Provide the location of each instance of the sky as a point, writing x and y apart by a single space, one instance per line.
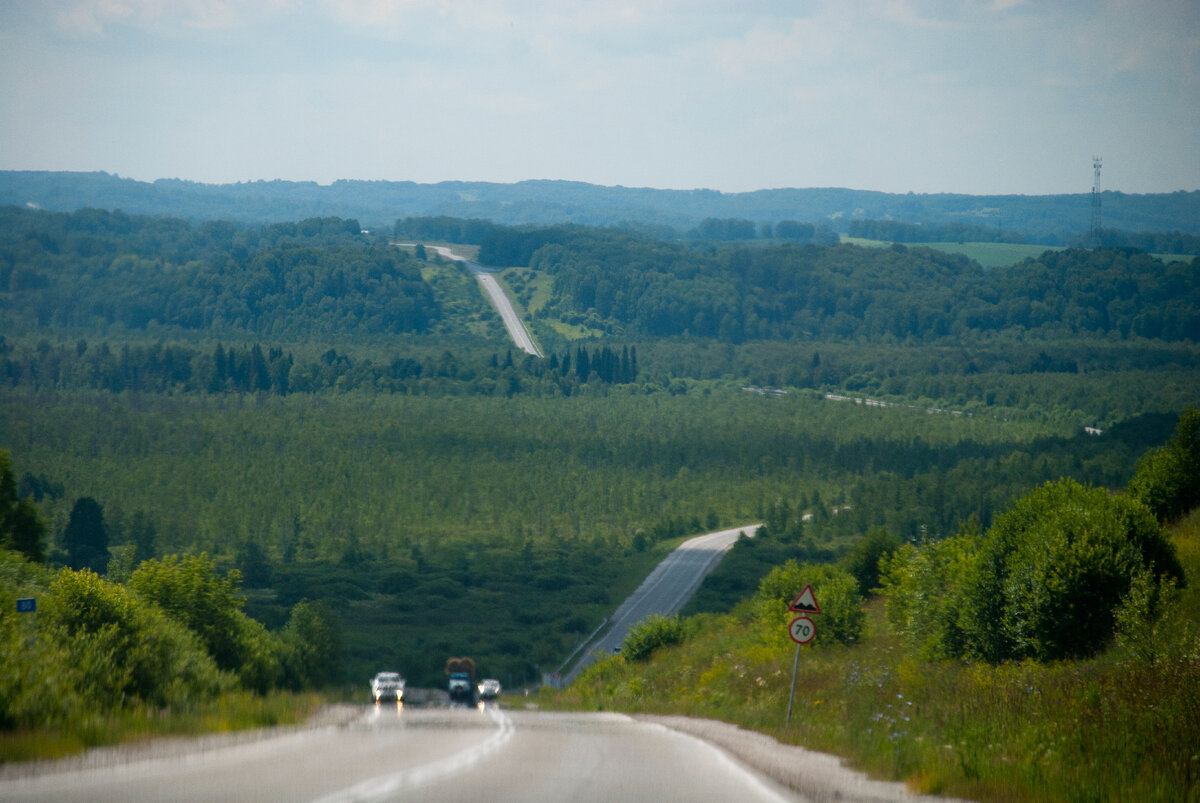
978 97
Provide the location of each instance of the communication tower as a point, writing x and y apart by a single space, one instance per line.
1096 223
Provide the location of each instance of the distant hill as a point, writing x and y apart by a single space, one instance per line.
1050 219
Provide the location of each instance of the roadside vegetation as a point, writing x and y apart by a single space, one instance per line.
977 667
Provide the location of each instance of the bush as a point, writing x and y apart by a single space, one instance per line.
651 633
193 594
1043 583
119 648
842 617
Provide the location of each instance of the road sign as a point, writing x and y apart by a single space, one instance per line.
806 602
802 629
26 605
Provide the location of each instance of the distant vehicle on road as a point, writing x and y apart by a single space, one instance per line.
387 686
489 689
461 672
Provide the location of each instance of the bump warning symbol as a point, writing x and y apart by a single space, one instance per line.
806 602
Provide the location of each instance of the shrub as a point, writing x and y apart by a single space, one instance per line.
842 617
120 648
193 594
1044 582
651 633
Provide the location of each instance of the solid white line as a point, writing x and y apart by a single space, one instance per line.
761 789
386 786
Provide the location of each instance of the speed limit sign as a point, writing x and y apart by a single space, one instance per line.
802 630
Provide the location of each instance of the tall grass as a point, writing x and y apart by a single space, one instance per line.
1118 726
235 711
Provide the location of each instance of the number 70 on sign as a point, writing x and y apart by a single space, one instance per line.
802 629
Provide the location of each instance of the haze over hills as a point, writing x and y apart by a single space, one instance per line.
1050 219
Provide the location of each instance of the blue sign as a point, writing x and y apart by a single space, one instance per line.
26 605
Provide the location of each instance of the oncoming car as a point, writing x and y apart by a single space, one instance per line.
489 689
387 686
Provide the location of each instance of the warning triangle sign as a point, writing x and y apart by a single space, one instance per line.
806 602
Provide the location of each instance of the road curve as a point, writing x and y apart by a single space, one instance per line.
664 591
495 293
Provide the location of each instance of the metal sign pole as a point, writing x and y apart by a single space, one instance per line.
792 696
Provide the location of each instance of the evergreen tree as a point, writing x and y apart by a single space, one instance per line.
20 528
86 536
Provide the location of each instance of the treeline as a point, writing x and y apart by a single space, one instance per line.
651 287
94 269
898 232
161 368
845 292
726 229
1156 242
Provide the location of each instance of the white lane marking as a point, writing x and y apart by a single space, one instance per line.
761 790
384 786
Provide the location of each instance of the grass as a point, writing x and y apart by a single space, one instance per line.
232 712
1115 727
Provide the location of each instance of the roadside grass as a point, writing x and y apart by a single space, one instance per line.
1117 726
235 711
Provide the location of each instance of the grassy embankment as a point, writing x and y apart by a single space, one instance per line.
234 711
1122 725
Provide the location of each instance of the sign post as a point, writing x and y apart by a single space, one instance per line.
802 630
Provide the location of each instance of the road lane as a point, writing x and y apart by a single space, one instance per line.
495 293
664 591
398 753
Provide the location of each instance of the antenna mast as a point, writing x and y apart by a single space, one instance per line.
1096 223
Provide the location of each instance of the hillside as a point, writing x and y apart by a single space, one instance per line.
1049 219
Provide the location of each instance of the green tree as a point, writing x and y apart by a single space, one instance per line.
1167 479
120 647
863 560
317 648
1044 582
86 536
842 617
21 529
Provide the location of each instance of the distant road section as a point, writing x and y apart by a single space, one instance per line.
512 322
665 591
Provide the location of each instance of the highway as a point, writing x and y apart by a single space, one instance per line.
393 752
664 591
495 293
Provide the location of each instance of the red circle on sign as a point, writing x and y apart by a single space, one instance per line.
802 630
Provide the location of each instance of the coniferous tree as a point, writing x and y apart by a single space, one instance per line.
86 536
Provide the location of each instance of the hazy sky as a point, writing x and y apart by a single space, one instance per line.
1002 96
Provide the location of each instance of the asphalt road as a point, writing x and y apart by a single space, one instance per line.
404 753
512 322
664 591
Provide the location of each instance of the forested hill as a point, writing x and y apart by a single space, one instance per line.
99 272
92 270
1046 219
653 288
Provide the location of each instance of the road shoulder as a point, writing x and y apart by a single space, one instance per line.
817 776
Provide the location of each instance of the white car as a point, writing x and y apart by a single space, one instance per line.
387 686
489 689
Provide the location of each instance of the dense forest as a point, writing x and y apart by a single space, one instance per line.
341 421
99 271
